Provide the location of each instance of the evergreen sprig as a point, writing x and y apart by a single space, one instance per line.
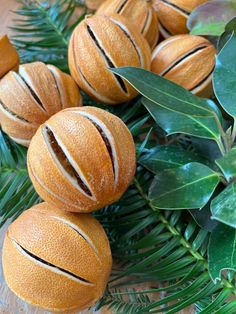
42 30
16 190
166 249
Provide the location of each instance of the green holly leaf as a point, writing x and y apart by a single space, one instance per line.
175 109
223 207
168 157
203 218
222 251
176 122
187 187
224 78
227 164
164 92
211 17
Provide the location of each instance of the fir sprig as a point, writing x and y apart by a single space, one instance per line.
16 190
44 34
167 249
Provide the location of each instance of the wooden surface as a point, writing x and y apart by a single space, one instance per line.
6 15
9 303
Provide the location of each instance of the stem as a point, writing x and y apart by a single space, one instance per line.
222 132
228 142
233 135
223 180
175 139
12 170
221 147
224 146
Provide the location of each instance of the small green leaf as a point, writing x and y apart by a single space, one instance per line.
224 78
227 164
223 207
167 157
211 17
186 187
222 251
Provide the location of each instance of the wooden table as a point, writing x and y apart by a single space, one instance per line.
6 15
9 303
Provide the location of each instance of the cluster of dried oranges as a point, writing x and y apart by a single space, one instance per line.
80 159
121 33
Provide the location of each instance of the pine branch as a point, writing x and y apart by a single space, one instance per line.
43 34
131 302
16 190
163 248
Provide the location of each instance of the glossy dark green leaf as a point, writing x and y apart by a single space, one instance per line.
211 17
224 78
164 92
167 157
203 218
230 30
222 251
175 122
223 207
227 164
174 108
206 148
186 187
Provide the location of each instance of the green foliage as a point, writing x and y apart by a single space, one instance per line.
128 302
165 248
203 217
44 36
16 190
223 206
230 29
191 186
227 164
179 138
225 257
211 17
174 109
171 188
225 77
168 157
